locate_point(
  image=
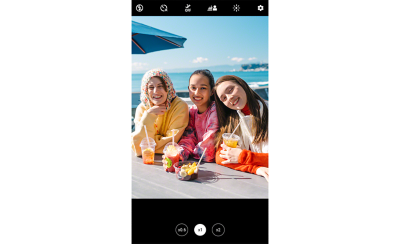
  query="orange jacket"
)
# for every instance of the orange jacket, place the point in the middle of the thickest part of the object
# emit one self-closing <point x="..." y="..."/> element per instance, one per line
<point x="248" y="161"/>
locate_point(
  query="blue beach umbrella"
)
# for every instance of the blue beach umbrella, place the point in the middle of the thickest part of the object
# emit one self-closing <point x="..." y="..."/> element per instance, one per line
<point x="146" y="39"/>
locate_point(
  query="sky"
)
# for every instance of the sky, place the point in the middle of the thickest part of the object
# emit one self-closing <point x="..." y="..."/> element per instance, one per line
<point x="215" y="40"/>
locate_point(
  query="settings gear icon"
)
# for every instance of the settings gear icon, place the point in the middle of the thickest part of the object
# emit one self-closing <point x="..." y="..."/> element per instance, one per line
<point x="236" y="8"/>
<point x="260" y="8"/>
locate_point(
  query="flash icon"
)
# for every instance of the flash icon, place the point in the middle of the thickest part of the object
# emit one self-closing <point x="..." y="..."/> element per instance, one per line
<point x="139" y="7"/>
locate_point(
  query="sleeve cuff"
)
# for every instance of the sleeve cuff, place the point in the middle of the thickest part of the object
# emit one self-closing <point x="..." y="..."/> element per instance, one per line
<point x="148" y="117"/>
<point x="243" y="156"/>
<point x="254" y="169"/>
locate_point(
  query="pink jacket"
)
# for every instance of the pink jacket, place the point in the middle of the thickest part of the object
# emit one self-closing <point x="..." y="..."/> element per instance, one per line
<point x="199" y="134"/>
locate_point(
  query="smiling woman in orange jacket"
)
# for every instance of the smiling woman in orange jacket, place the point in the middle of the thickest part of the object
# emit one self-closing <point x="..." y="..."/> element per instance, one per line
<point x="237" y="104"/>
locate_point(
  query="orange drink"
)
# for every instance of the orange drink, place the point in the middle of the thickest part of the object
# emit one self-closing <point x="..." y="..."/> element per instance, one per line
<point x="148" y="156"/>
<point x="148" y="150"/>
<point x="232" y="141"/>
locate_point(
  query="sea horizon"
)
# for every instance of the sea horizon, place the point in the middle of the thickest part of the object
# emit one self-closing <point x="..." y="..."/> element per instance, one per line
<point x="180" y="80"/>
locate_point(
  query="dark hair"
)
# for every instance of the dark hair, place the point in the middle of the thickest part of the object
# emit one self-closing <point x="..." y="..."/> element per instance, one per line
<point x="228" y="118"/>
<point x="162" y="82"/>
<point x="210" y="77"/>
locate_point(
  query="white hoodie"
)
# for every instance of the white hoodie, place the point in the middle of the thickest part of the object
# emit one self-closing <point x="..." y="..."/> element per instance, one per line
<point x="246" y="137"/>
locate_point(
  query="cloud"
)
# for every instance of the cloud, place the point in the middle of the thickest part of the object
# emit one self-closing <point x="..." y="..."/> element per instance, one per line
<point x="229" y="56"/>
<point x="237" y="59"/>
<point x="252" y="58"/>
<point x="139" y="66"/>
<point x="199" y="60"/>
<point x="165" y="62"/>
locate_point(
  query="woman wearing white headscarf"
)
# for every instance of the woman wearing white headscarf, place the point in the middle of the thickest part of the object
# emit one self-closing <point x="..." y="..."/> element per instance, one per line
<point x="160" y="110"/>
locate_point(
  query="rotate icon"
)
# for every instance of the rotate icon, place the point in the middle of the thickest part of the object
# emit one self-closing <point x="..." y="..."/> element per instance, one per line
<point x="164" y="8"/>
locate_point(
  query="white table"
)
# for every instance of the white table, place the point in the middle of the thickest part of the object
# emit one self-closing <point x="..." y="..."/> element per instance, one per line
<point x="214" y="181"/>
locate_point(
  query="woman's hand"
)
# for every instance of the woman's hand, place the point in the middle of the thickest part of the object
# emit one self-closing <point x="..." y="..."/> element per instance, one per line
<point x="263" y="171"/>
<point x="157" y="110"/>
<point x="230" y="154"/>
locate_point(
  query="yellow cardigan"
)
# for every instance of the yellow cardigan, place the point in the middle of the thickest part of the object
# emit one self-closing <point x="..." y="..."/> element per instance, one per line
<point x="177" y="117"/>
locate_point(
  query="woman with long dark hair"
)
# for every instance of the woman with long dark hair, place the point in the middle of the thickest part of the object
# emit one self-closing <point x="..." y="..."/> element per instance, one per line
<point x="236" y="104"/>
<point x="203" y="121"/>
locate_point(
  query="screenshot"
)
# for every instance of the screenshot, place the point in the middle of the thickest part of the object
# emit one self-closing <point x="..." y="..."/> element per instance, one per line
<point x="166" y="138"/>
<point x="200" y="100"/>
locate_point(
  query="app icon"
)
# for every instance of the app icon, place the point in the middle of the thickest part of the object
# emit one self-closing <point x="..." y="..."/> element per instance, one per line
<point x="139" y="7"/>
<point x="212" y="8"/>
<point x="236" y="8"/>
<point x="164" y="8"/>
<point x="260" y="8"/>
<point x="187" y="8"/>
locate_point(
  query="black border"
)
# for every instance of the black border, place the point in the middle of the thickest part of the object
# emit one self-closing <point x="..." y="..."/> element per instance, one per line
<point x="199" y="8"/>
<point x="245" y="220"/>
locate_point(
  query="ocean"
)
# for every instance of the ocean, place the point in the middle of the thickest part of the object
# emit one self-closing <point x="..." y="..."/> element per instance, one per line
<point x="181" y="80"/>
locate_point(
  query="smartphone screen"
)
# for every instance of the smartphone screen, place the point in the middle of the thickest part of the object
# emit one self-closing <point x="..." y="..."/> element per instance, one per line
<point x="200" y="100"/>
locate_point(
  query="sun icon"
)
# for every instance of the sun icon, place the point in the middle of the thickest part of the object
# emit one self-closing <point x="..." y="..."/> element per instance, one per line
<point x="236" y="8"/>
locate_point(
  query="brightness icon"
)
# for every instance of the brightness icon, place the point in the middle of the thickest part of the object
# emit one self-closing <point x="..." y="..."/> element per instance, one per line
<point x="236" y="8"/>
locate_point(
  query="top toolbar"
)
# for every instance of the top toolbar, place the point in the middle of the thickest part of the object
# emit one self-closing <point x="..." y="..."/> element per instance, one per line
<point x="203" y="8"/>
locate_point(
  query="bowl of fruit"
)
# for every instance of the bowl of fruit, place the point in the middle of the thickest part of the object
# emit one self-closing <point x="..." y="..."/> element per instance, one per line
<point x="186" y="170"/>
